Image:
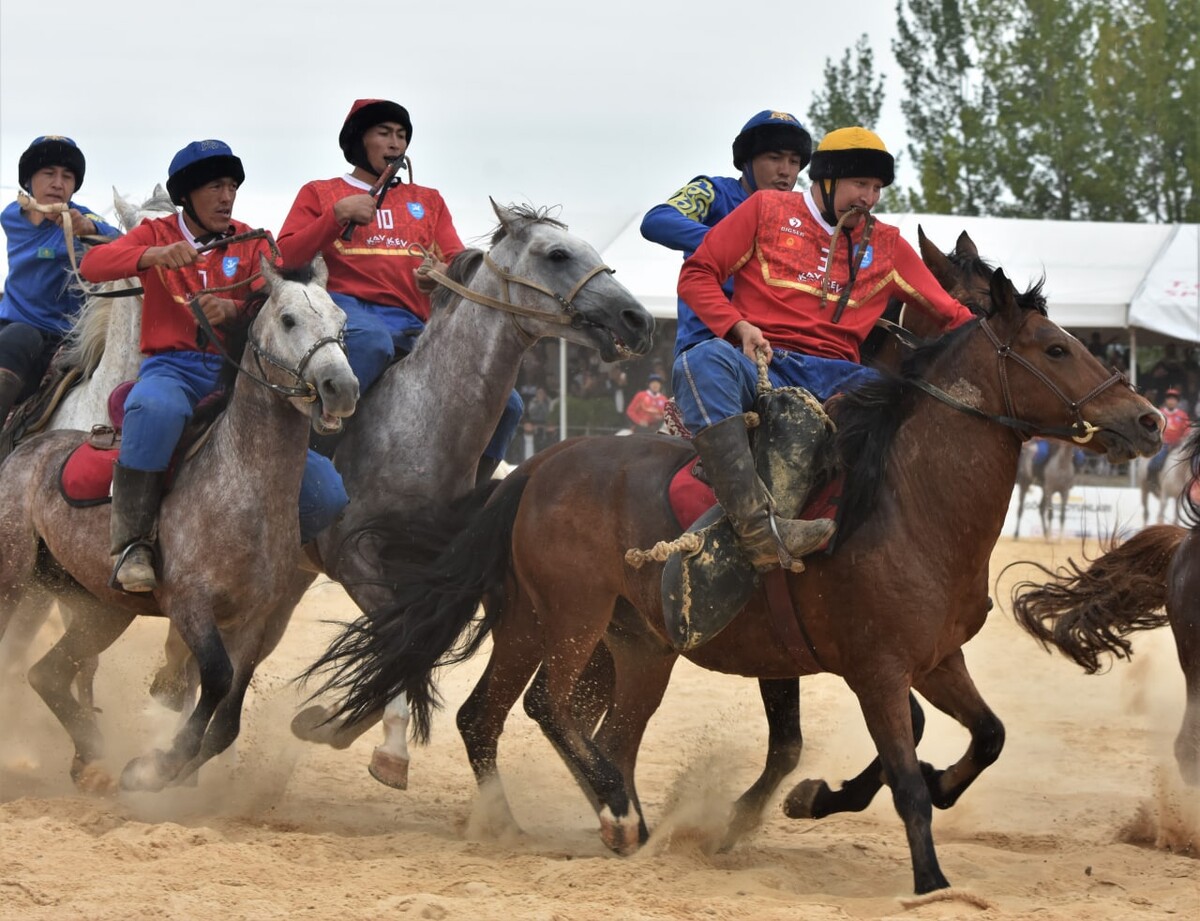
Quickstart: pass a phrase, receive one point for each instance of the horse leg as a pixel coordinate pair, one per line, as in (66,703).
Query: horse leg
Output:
(480,719)
(949,688)
(815,799)
(1183,613)
(640,673)
(29,616)
(590,700)
(93,629)
(172,684)
(890,724)
(154,770)
(781,702)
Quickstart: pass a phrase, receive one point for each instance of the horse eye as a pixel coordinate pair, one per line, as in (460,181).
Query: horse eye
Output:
(559,255)
(288,321)
(1056,351)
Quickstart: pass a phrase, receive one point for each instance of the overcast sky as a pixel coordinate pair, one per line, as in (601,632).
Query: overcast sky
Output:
(603,108)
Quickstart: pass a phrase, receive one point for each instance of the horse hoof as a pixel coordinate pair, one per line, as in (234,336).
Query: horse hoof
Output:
(619,835)
(801,802)
(390,770)
(93,779)
(145,773)
(308,725)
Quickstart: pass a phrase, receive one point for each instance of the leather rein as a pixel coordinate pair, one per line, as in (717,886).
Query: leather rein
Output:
(1081,431)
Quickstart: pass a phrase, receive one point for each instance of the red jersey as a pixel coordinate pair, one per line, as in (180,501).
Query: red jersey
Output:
(167,321)
(1176,427)
(646,408)
(376,264)
(776,245)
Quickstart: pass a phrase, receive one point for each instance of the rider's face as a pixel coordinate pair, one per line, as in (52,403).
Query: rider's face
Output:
(52,185)
(860,191)
(213,203)
(776,169)
(384,142)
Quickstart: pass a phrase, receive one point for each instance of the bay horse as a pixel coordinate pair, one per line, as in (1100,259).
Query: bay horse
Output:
(930,460)
(229,600)
(1055,476)
(423,425)
(1151,579)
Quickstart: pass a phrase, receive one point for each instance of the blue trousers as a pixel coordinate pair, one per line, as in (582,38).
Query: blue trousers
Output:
(162,401)
(375,335)
(715,380)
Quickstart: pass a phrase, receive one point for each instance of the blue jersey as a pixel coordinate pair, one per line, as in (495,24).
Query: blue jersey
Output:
(36,291)
(681,223)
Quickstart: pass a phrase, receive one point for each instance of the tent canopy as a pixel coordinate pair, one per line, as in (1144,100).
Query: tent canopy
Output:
(1093,271)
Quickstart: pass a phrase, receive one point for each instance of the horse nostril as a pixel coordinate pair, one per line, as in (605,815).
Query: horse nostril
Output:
(638,319)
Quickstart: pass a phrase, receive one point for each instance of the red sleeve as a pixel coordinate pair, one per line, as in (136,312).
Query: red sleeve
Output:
(446,241)
(307,229)
(724,250)
(917,286)
(118,259)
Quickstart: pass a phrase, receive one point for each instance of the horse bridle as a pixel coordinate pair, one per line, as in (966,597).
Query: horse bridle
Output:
(1080,432)
(570,315)
(305,392)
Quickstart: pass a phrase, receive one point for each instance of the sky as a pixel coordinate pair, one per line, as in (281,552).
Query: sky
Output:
(601,109)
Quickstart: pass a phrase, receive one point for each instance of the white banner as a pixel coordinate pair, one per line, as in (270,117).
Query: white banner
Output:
(1092,511)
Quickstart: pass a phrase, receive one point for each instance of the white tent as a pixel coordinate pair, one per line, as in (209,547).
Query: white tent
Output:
(1093,271)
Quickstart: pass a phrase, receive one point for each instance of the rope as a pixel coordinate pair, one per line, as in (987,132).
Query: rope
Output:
(855,262)
(762,358)
(687,542)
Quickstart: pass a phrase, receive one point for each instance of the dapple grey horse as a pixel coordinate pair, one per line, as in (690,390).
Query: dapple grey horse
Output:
(229,599)
(423,426)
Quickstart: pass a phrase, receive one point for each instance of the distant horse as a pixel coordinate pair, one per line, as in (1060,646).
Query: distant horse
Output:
(228,530)
(422,427)
(1167,485)
(889,610)
(100,352)
(1085,613)
(1056,476)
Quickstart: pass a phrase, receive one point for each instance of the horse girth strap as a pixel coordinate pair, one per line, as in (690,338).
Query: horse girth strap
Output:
(788,625)
(569,317)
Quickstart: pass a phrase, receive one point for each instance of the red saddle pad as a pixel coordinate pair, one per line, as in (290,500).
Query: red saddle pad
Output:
(86,475)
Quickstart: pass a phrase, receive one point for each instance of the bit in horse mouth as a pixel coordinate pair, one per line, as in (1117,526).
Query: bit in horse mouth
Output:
(327,424)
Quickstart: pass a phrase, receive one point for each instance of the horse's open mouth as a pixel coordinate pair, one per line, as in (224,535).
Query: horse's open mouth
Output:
(622,350)
(327,424)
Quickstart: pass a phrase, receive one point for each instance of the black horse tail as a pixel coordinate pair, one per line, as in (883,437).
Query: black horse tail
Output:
(1086,613)
(430,623)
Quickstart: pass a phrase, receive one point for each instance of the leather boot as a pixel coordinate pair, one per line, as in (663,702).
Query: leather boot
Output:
(10,388)
(754,528)
(136,496)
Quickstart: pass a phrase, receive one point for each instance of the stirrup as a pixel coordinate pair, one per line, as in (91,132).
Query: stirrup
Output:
(113,582)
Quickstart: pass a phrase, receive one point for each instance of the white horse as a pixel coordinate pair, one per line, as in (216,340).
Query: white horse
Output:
(1167,487)
(103,343)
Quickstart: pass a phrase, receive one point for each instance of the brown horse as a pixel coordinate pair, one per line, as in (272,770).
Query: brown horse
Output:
(930,461)
(228,529)
(1085,613)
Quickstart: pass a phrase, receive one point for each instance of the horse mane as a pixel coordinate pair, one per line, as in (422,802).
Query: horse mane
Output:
(462,269)
(526,214)
(972,266)
(83,345)
(869,416)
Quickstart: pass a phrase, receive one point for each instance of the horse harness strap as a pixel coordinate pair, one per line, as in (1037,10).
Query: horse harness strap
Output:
(788,625)
(569,317)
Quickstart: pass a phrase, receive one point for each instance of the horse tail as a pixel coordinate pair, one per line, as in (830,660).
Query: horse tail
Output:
(431,621)
(1086,613)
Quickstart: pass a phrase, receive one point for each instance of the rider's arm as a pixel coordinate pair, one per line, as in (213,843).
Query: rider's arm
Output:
(307,229)
(914,284)
(118,259)
(679,222)
(726,248)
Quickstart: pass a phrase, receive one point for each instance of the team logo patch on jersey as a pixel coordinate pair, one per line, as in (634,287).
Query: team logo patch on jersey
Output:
(867,256)
(416,209)
(45,252)
(229,265)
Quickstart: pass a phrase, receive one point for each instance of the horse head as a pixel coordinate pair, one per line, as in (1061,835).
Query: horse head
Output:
(1045,377)
(296,341)
(562,287)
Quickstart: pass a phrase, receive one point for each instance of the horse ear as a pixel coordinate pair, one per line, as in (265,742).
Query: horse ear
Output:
(126,213)
(270,274)
(941,267)
(320,270)
(507,217)
(1003,294)
(965,246)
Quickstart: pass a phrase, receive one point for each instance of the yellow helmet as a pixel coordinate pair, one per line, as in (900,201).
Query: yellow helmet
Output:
(852,152)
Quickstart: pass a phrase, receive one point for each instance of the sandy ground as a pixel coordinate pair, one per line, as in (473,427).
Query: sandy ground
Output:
(1082,817)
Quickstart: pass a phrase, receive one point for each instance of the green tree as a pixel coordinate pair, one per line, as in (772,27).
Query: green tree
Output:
(852,93)
(949,107)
